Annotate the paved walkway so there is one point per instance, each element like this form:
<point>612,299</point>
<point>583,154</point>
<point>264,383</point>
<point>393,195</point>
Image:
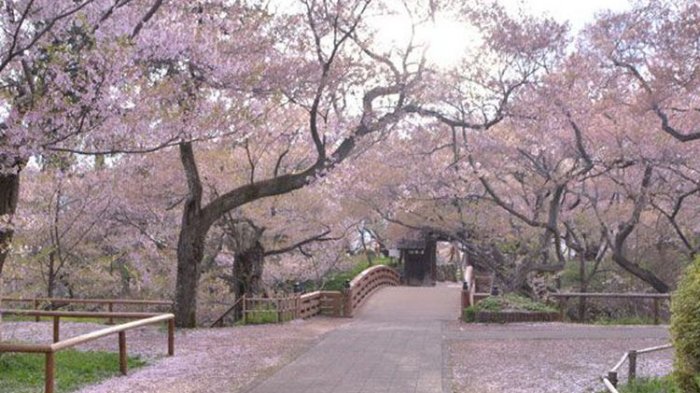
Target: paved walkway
<point>402,341</point>
<point>394,345</point>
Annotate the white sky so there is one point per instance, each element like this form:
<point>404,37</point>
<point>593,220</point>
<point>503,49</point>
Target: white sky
<point>577,12</point>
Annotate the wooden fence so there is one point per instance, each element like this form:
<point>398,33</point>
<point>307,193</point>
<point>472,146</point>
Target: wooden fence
<point>39,303</point>
<point>330,303</point>
<point>283,309</point>
<point>142,319</point>
<point>657,298</point>
<point>611,379</point>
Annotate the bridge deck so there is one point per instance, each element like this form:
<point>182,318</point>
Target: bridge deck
<point>394,344</point>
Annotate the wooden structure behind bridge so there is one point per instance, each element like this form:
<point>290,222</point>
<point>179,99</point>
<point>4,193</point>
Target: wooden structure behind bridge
<point>419,261</point>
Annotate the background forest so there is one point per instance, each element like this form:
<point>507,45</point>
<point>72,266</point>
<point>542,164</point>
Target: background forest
<point>196,151</point>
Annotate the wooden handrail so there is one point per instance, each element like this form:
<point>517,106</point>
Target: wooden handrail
<point>621,295</point>
<point>82,339</point>
<point>610,380</point>
<point>564,297</point>
<point>89,301</point>
<point>79,314</point>
<point>50,350</point>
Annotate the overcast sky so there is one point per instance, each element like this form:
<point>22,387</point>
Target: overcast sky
<point>577,12</point>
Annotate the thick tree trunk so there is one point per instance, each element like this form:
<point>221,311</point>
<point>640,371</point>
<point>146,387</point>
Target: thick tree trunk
<point>9,194</point>
<point>190,244</point>
<point>190,251</point>
<point>244,238</point>
<point>248,269</point>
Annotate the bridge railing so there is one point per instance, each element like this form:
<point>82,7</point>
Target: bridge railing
<point>49,350</point>
<point>362,286</point>
<point>330,303</point>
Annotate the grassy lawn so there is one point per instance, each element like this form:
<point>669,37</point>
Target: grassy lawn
<point>22,318</point>
<point>651,385</point>
<point>24,373</point>
<point>625,321</point>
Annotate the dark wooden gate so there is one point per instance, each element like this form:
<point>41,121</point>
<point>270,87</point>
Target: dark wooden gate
<point>419,262</point>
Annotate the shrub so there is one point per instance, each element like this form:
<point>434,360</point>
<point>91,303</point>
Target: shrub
<point>512,302</point>
<point>685,329</point>
<point>469,314</point>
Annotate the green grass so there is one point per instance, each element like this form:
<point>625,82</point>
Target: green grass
<point>24,373</point>
<point>650,385</point>
<point>264,313</point>
<point>624,321</point>
<point>512,302</point>
<point>22,318</point>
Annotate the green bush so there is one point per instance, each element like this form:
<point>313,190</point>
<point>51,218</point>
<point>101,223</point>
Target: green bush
<point>512,302</point>
<point>469,314</point>
<point>507,302</point>
<point>685,329</point>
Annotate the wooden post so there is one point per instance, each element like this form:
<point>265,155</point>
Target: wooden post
<point>110,308</point>
<point>56,333</point>
<point>244,313</point>
<point>562,307</point>
<point>632,362</point>
<point>612,377</point>
<point>465,298</point>
<point>347,309</point>
<point>36,308</point>
<point>49,372</point>
<point>582,309</point>
<point>122,353</point>
<point>656,311</point>
<point>277,306</point>
<point>171,337</point>
<point>297,305</point>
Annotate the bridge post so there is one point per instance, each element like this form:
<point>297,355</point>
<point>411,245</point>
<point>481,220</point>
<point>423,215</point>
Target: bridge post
<point>465,295</point>
<point>347,300</point>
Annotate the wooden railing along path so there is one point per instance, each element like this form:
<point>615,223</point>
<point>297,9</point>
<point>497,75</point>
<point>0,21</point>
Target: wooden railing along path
<point>611,379</point>
<point>39,303</point>
<point>331,303</point>
<point>49,350</point>
<point>563,297</point>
